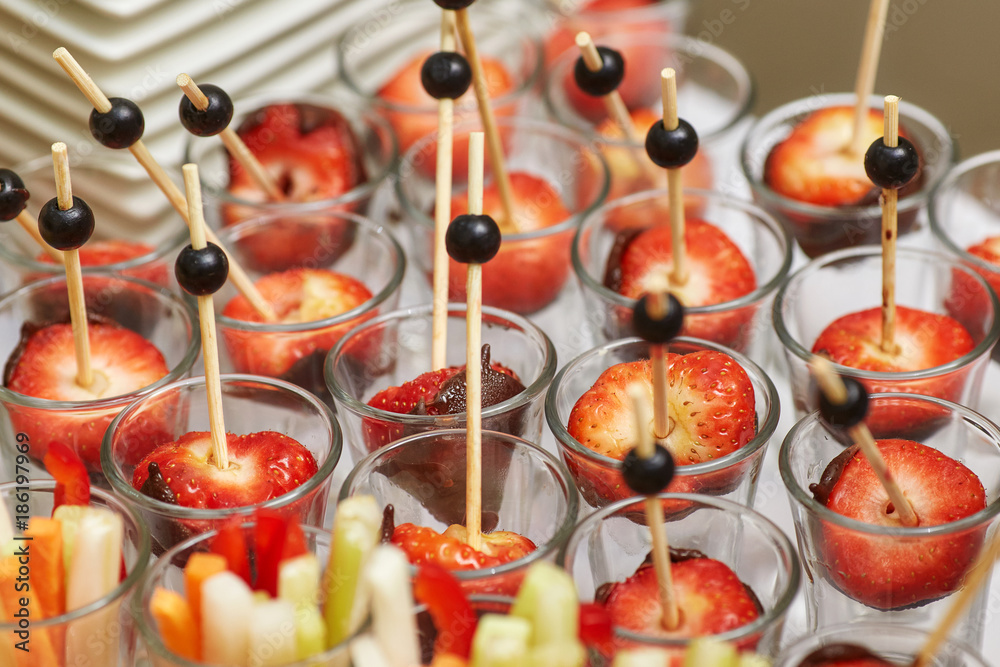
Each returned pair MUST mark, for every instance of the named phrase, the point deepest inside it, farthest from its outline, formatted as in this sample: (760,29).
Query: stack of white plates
(136,48)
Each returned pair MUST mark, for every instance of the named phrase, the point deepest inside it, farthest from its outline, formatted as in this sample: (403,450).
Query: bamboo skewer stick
(890,198)
(864,84)
(30,225)
(675,186)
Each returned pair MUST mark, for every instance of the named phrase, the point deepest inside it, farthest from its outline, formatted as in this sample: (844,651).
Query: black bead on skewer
(446,75)
(849,413)
(891,167)
(13,195)
(119,127)
(649,476)
(66,229)
(605,80)
(213,119)
(657,331)
(671,148)
(453,4)
(203,271)
(473,239)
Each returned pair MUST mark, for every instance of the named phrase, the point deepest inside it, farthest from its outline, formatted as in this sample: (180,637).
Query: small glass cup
(398,38)
(832,597)
(250,404)
(167,572)
(964,212)
(396,347)
(609,545)
(376,153)
(599,477)
(119,193)
(524,489)
(850,280)
(427,632)
(334,241)
(158,315)
(822,229)
(714,94)
(109,638)
(895,643)
(742,324)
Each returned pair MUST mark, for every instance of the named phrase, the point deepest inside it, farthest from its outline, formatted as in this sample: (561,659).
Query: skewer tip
(61,53)
(583,39)
(182,80)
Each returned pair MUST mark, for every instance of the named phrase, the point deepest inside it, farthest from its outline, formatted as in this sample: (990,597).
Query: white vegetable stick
(272,634)
(365,651)
(386,580)
(226,606)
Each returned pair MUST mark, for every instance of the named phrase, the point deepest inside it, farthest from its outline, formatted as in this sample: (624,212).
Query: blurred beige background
(941,55)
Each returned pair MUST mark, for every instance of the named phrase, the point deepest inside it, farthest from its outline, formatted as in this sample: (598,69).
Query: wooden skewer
(833,388)
(975,582)
(488,119)
(675,186)
(206,316)
(473,364)
(159,176)
(30,225)
(613,100)
(658,358)
(654,516)
(442,208)
(233,143)
(74,277)
(890,198)
(864,84)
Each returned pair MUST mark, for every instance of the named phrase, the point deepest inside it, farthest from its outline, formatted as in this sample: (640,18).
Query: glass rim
(125,489)
(139,608)
(384,235)
(522,123)
(560,472)
(349,108)
(101,163)
(765,525)
(757,375)
(935,217)
(874,252)
(803,106)
(595,217)
(177,372)
(430,23)
(983,516)
(132,578)
(501,317)
(691,47)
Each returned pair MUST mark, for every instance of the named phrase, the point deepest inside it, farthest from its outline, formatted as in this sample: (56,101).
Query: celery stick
(226,607)
(365,651)
(752,660)
(272,634)
(501,641)
(707,652)
(642,657)
(548,601)
(69,517)
(298,583)
(558,654)
(94,569)
(356,532)
(386,580)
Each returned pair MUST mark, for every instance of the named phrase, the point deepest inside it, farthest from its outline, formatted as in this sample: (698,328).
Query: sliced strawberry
(297,295)
(72,479)
(404,398)
(844,655)
(263,466)
(451,551)
(891,572)
(450,609)
(815,164)
(711,598)
(406,90)
(526,275)
(122,361)
(103,253)
(711,406)
(718,272)
(313,154)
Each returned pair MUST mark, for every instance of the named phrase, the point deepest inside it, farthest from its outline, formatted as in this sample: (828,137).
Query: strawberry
(414,112)
(526,275)
(263,466)
(297,296)
(718,272)
(711,406)
(843,655)
(313,155)
(890,572)
(44,366)
(103,253)
(711,598)
(925,340)
(967,301)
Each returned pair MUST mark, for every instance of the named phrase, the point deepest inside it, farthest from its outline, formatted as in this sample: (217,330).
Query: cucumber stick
(69,519)
(642,657)
(387,582)
(501,641)
(356,532)
(272,634)
(227,605)
(298,584)
(706,652)
(548,601)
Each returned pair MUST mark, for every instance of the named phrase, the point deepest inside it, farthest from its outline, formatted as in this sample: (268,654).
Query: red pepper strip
(231,544)
(449,608)
(72,480)
(295,541)
(595,627)
(269,539)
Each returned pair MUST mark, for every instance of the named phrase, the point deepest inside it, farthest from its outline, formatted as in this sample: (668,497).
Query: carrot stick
(200,567)
(42,653)
(48,580)
(175,621)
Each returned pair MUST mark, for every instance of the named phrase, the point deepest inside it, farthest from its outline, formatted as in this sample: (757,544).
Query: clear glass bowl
(895,643)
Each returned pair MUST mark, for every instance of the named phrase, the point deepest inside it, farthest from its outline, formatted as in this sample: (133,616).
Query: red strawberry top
(891,573)
(44,366)
(451,550)
(925,340)
(843,655)
(711,408)
(263,466)
(310,151)
(102,253)
(815,165)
